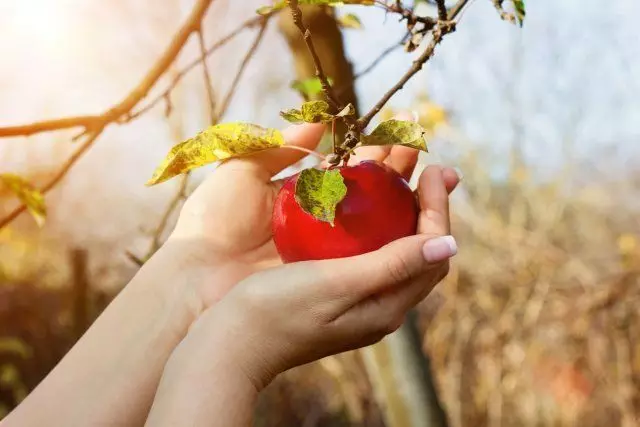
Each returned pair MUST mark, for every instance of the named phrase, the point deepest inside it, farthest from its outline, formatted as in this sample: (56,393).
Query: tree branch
(49,125)
(192,24)
(442,10)
(95,125)
(374,63)
(456,9)
(296,13)
(179,76)
(441,29)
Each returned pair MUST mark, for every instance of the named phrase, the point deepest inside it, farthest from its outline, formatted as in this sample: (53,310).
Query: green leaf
(292,116)
(521,11)
(311,112)
(350,21)
(219,142)
(30,196)
(318,192)
(265,10)
(309,88)
(397,132)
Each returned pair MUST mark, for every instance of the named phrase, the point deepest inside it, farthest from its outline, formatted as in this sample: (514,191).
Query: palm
(231,214)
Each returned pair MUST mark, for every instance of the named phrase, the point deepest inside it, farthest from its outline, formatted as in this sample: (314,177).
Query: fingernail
(459,173)
(439,249)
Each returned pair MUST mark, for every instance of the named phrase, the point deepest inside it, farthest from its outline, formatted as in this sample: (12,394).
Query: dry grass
(540,322)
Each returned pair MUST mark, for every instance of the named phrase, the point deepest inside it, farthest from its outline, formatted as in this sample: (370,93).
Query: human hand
(296,313)
(224,230)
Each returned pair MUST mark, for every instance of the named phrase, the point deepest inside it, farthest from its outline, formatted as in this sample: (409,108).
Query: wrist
(221,336)
(202,381)
(188,277)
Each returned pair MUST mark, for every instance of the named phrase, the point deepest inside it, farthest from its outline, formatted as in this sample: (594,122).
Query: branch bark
(296,13)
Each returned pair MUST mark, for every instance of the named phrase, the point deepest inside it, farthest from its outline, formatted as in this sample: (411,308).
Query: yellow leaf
(219,142)
(30,196)
(396,132)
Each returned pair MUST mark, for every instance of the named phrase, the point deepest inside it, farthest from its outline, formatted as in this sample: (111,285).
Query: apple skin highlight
(379,208)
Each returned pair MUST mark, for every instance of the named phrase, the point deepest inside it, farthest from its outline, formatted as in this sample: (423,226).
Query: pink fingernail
(439,249)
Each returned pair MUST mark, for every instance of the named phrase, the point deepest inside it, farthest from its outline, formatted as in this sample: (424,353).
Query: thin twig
(442,29)
(243,66)
(439,32)
(456,9)
(180,75)
(442,10)
(49,125)
(373,64)
(211,96)
(381,57)
(296,13)
(305,150)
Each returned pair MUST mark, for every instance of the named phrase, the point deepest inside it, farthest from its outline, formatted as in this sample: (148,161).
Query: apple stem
(305,150)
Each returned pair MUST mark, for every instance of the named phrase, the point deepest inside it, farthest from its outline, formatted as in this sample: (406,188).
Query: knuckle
(398,269)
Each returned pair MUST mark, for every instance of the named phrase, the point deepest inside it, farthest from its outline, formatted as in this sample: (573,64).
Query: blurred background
(538,322)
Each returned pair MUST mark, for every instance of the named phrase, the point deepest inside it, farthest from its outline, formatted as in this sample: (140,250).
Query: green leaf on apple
(30,196)
(218,142)
(266,10)
(350,21)
(397,132)
(318,192)
(310,112)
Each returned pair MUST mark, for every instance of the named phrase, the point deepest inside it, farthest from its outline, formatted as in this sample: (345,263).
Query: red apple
(379,208)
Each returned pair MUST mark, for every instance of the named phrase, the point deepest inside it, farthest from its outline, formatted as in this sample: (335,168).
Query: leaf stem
(305,150)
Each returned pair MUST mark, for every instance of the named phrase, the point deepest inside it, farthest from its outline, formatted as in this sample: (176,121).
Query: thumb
(354,279)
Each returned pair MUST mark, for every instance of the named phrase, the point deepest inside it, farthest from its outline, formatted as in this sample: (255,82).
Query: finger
(271,162)
(378,308)
(451,179)
(351,280)
(403,160)
(385,312)
(376,153)
(434,203)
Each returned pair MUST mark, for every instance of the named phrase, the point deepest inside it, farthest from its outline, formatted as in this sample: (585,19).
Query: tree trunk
(397,368)
(329,45)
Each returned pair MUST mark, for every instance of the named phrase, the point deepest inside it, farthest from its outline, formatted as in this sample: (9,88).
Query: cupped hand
(300,312)
(224,229)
